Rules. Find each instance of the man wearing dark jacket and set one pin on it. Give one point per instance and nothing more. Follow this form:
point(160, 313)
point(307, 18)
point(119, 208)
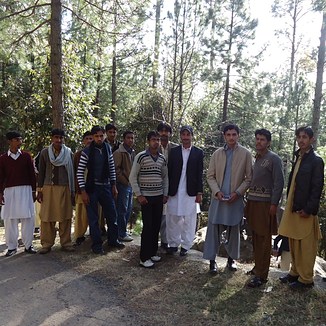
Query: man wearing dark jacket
point(185, 169)
point(300, 221)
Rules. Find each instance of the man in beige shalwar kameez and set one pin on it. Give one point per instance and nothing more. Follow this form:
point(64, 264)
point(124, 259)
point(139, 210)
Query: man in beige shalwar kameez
point(300, 221)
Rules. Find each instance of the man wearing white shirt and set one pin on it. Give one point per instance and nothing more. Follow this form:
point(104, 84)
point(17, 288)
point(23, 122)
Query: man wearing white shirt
point(185, 169)
point(17, 194)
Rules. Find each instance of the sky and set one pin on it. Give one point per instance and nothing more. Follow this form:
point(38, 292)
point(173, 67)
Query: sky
point(309, 27)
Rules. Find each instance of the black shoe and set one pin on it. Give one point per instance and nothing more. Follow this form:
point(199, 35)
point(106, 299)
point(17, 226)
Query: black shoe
point(171, 250)
point(37, 230)
point(231, 265)
point(118, 245)
point(30, 250)
point(212, 267)
point(297, 285)
point(256, 282)
point(79, 241)
point(288, 278)
point(164, 245)
point(99, 252)
point(10, 252)
point(183, 252)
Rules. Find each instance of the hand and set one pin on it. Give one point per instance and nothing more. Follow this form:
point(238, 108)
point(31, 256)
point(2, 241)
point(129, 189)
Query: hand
point(165, 199)
point(303, 214)
point(199, 198)
point(85, 197)
point(142, 200)
point(39, 197)
point(219, 195)
point(34, 196)
point(114, 192)
point(233, 197)
point(2, 200)
point(272, 210)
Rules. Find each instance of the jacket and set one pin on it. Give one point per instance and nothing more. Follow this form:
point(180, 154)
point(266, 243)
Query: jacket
point(123, 163)
point(309, 183)
point(194, 172)
point(241, 170)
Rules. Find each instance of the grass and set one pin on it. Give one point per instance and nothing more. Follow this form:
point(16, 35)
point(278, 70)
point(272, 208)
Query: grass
point(179, 291)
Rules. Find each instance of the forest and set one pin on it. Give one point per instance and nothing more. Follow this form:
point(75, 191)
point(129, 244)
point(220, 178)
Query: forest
point(75, 63)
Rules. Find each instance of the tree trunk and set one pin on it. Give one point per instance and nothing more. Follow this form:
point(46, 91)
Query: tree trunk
point(114, 68)
point(228, 67)
point(319, 81)
point(56, 64)
point(157, 42)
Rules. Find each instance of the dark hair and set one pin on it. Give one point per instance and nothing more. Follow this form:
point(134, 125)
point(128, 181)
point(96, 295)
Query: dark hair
point(164, 125)
point(110, 126)
point(152, 133)
point(87, 133)
point(13, 134)
point(264, 132)
point(57, 132)
point(127, 132)
point(307, 130)
point(96, 129)
point(230, 127)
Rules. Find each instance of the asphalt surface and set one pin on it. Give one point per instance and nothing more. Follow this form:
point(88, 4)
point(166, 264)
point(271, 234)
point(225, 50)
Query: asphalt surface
point(41, 290)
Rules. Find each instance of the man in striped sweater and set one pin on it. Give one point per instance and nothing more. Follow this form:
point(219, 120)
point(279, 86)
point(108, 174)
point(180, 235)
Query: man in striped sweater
point(149, 181)
point(99, 188)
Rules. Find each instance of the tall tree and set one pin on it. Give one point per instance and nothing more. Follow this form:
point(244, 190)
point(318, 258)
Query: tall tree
point(319, 80)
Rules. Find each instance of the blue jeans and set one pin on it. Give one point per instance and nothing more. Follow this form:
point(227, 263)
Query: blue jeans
point(124, 208)
point(102, 194)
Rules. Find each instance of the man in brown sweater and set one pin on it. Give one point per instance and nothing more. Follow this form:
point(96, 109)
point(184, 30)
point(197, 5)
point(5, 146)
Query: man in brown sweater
point(123, 159)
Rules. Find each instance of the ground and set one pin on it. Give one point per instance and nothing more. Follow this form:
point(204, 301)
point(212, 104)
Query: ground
point(81, 288)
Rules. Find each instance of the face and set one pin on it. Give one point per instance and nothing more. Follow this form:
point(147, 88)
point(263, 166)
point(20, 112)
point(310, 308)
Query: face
point(154, 143)
point(98, 137)
point(231, 137)
point(304, 142)
point(57, 141)
point(111, 135)
point(15, 143)
point(129, 140)
point(164, 134)
point(186, 138)
point(262, 143)
point(87, 140)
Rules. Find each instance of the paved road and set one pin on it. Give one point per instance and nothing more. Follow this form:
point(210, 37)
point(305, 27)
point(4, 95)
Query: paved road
point(41, 290)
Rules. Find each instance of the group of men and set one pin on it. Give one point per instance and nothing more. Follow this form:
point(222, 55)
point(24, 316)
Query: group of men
point(167, 180)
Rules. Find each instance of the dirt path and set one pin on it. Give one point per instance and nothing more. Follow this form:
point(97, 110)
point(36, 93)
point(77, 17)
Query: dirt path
point(42, 290)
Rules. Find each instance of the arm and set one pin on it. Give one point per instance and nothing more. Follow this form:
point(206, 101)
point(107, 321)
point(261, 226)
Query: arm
point(247, 175)
point(278, 184)
point(316, 186)
point(211, 175)
point(41, 175)
point(200, 167)
point(81, 177)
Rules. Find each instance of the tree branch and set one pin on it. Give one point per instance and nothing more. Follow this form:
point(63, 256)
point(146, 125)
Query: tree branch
point(82, 19)
point(30, 32)
point(26, 9)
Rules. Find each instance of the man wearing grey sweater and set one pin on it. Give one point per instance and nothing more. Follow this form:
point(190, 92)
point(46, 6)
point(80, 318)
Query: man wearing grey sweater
point(264, 195)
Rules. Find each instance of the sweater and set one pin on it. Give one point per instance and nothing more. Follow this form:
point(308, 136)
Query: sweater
point(148, 176)
point(19, 172)
point(267, 179)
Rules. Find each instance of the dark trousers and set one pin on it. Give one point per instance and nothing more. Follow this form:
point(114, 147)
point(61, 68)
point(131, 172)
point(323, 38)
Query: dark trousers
point(102, 195)
point(151, 216)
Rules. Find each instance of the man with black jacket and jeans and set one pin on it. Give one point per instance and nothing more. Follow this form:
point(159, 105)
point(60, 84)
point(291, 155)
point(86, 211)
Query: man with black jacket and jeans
point(300, 222)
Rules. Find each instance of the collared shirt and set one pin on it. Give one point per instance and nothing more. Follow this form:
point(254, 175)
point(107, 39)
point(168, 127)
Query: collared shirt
point(13, 155)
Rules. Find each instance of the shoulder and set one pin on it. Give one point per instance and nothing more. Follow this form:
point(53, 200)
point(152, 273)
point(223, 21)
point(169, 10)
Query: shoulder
point(197, 151)
point(274, 157)
point(140, 156)
point(26, 155)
